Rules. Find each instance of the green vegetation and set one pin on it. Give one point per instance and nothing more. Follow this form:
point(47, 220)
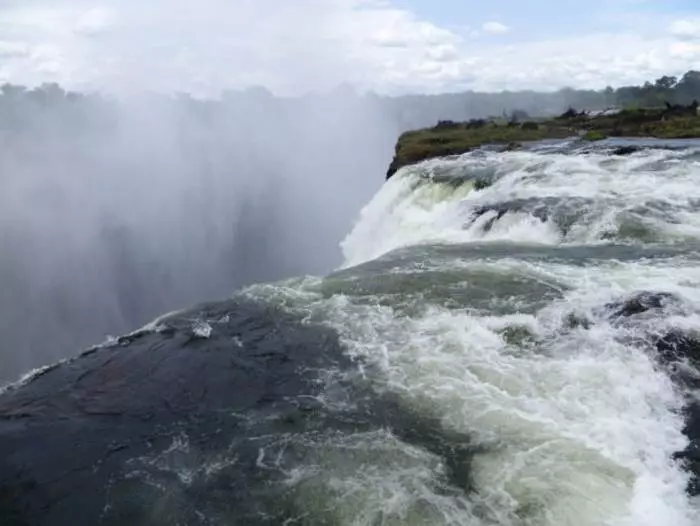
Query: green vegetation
point(455, 138)
point(419, 111)
point(676, 90)
point(593, 135)
point(452, 138)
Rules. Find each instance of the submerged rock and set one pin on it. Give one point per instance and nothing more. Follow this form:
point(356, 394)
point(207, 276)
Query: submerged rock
point(482, 183)
point(626, 150)
point(577, 320)
point(678, 353)
point(641, 303)
point(675, 346)
point(563, 212)
point(517, 335)
point(513, 146)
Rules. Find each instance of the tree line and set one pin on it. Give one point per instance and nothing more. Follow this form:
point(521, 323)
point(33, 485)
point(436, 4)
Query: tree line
point(18, 104)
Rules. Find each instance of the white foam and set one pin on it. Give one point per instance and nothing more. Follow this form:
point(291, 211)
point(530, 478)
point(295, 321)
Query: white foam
point(410, 209)
point(581, 436)
point(202, 329)
point(29, 376)
point(584, 433)
point(579, 429)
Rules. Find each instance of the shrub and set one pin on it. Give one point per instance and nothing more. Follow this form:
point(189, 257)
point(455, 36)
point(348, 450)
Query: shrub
point(593, 135)
point(443, 125)
point(476, 124)
point(569, 114)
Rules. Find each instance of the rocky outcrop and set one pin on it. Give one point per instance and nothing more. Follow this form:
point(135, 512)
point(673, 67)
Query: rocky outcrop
point(156, 429)
point(199, 419)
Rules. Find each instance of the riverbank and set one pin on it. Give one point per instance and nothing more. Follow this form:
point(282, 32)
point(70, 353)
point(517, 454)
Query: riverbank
point(454, 138)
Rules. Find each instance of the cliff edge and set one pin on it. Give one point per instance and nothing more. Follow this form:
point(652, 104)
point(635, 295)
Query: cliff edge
point(454, 138)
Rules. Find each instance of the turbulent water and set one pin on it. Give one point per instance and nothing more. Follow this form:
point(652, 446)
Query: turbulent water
point(458, 302)
point(483, 373)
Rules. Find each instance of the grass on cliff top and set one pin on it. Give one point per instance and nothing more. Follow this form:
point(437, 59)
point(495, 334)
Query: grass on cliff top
point(678, 123)
point(418, 145)
point(452, 138)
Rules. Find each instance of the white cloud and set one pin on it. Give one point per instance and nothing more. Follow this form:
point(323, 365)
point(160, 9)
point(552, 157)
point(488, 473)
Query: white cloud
point(210, 45)
point(94, 21)
point(686, 29)
point(686, 51)
point(13, 49)
point(494, 28)
point(590, 61)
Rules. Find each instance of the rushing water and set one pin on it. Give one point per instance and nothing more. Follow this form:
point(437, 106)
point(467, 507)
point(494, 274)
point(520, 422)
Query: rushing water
point(456, 301)
point(483, 376)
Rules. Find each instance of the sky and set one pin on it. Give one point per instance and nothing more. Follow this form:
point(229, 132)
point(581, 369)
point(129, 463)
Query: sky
point(389, 46)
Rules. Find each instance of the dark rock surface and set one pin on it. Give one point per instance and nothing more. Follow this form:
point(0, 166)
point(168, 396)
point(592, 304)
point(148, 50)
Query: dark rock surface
point(199, 422)
point(678, 353)
point(563, 212)
point(626, 150)
point(109, 437)
point(641, 303)
point(681, 354)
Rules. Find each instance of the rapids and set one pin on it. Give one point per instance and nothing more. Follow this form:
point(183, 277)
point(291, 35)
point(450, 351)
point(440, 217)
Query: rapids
point(459, 302)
